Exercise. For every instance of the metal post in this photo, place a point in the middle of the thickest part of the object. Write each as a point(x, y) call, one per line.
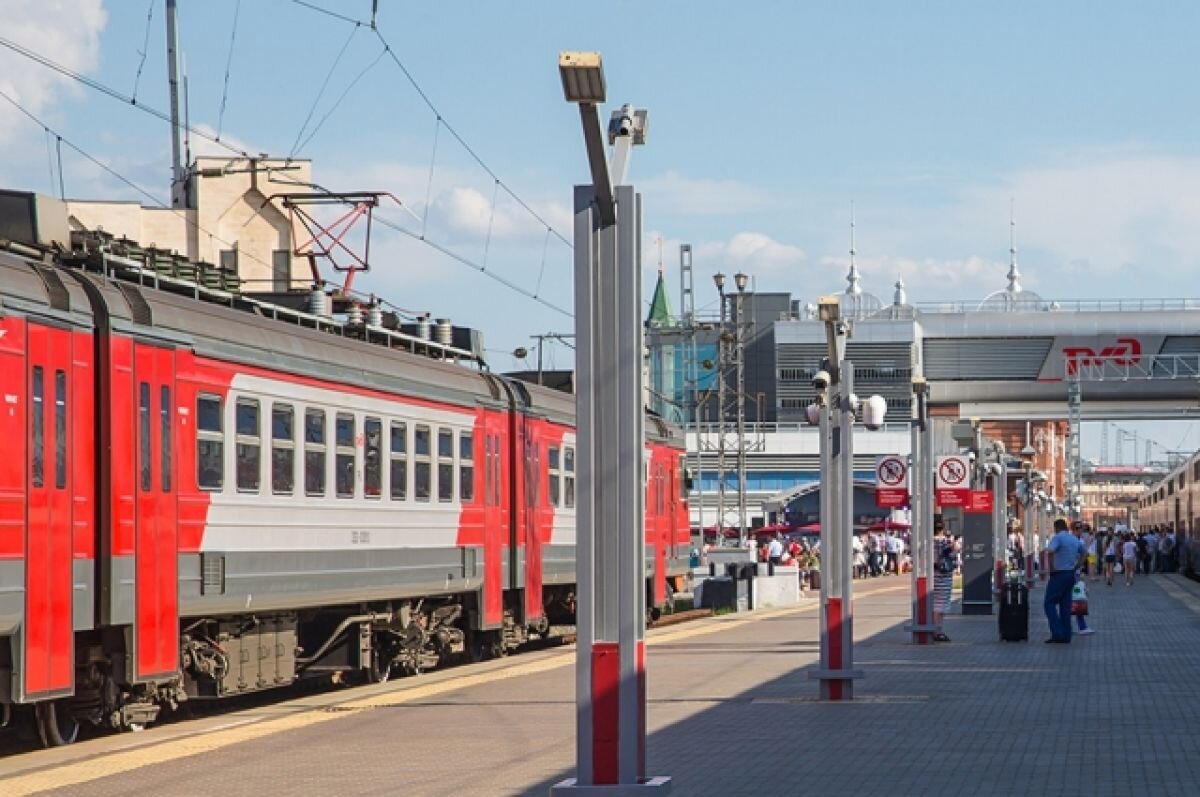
point(1027, 520)
point(1000, 515)
point(740, 343)
point(925, 566)
point(836, 672)
point(610, 686)
point(178, 176)
point(921, 625)
point(722, 356)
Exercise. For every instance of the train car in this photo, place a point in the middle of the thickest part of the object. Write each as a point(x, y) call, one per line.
point(213, 499)
point(1174, 503)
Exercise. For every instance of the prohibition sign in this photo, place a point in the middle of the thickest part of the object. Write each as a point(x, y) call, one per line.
point(891, 471)
point(952, 472)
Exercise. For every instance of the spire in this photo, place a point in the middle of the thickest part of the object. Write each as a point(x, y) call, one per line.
point(1014, 275)
point(660, 308)
point(852, 277)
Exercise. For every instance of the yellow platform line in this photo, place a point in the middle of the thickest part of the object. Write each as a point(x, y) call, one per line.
point(116, 763)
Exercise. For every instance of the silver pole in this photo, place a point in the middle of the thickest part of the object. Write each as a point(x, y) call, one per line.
point(178, 177)
point(722, 356)
point(741, 418)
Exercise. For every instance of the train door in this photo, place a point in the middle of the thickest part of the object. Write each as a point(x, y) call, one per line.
point(495, 523)
point(534, 476)
point(47, 650)
point(156, 541)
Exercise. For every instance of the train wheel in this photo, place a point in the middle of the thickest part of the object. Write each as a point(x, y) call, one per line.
point(477, 649)
point(381, 667)
point(56, 726)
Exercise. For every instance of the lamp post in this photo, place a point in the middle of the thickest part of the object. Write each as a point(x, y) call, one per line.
point(610, 678)
point(722, 360)
point(834, 411)
point(740, 280)
point(921, 505)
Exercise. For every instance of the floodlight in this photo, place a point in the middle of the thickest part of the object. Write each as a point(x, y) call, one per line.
point(740, 280)
point(828, 308)
point(582, 77)
point(719, 281)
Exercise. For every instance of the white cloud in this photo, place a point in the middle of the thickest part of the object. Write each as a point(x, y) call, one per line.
point(752, 252)
point(1101, 212)
point(67, 31)
point(673, 193)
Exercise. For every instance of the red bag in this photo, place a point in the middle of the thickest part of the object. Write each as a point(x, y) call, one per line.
point(1079, 608)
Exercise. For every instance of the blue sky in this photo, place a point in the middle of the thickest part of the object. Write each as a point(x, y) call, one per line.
point(766, 122)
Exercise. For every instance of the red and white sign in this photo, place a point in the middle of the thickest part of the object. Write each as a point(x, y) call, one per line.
point(980, 502)
point(1070, 353)
point(952, 479)
point(891, 481)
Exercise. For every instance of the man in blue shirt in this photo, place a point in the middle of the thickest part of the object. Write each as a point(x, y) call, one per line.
point(1060, 559)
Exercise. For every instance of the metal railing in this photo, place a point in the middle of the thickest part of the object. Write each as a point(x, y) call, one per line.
point(765, 427)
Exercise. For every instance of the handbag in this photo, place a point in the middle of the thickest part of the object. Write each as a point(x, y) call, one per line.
point(1118, 568)
point(1079, 608)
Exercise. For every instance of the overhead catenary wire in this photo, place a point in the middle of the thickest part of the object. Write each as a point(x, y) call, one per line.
point(237, 10)
point(334, 14)
point(349, 87)
point(137, 78)
point(115, 94)
point(321, 91)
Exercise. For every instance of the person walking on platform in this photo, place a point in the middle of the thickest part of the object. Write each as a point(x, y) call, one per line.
point(944, 565)
point(1129, 557)
point(1061, 557)
point(1110, 558)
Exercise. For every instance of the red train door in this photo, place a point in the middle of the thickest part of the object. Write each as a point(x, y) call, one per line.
point(48, 651)
point(156, 538)
point(534, 476)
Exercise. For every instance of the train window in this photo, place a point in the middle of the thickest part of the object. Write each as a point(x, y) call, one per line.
point(283, 449)
point(569, 477)
point(466, 467)
point(344, 460)
point(60, 429)
point(373, 458)
point(164, 420)
point(210, 443)
point(445, 465)
point(249, 446)
point(38, 430)
point(422, 476)
point(314, 452)
point(399, 469)
point(555, 477)
point(144, 433)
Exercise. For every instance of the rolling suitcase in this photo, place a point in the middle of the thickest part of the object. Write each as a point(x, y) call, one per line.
point(1014, 613)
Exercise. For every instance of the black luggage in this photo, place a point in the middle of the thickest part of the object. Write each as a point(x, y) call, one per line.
point(1014, 613)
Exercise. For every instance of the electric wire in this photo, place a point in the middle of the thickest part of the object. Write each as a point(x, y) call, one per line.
point(487, 242)
point(60, 140)
point(145, 49)
point(349, 87)
point(321, 91)
point(237, 10)
point(333, 14)
point(429, 183)
point(114, 93)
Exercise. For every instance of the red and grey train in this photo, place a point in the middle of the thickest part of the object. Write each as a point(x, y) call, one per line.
point(197, 501)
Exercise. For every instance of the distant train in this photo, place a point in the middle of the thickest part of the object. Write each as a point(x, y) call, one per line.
point(200, 500)
point(1174, 503)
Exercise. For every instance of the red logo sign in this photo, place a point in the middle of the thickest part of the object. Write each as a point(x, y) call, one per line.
point(1127, 351)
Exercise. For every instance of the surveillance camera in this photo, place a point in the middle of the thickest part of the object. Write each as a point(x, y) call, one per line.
point(970, 456)
point(874, 410)
point(854, 403)
point(821, 379)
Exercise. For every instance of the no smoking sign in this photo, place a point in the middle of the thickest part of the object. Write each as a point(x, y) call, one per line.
point(891, 481)
point(952, 480)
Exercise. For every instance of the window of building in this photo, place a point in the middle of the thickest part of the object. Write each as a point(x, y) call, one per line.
point(466, 467)
point(283, 449)
point(372, 458)
point(249, 445)
point(346, 456)
point(569, 477)
point(229, 260)
point(38, 431)
point(210, 443)
point(60, 431)
point(422, 474)
point(555, 477)
point(281, 270)
point(164, 420)
point(445, 465)
point(398, 477)
point(314, 452)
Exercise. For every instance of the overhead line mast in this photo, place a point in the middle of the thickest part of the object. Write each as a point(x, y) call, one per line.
point(178, 167)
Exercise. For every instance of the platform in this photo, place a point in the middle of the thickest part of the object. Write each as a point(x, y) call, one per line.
point(731, 712)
